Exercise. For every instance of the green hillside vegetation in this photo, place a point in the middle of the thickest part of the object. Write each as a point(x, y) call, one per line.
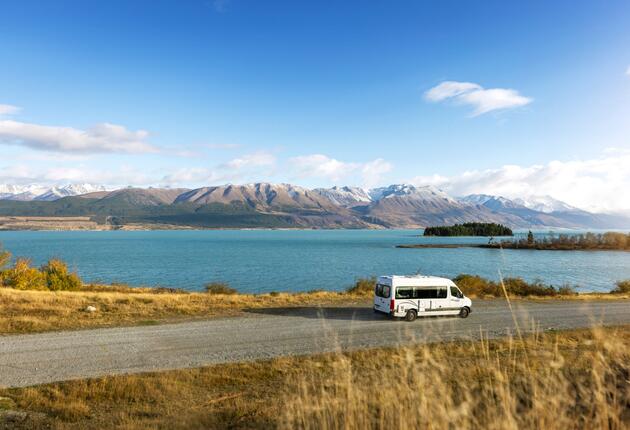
point(122, 211)
point(469, 229)
point(589, 241)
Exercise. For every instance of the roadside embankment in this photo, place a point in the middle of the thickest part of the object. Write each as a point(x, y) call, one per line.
point(551, 380)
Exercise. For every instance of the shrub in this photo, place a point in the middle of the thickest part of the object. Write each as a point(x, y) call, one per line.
point(520, 287)
point(567, 290)
point(219, 288)
point(623, 287)
point(473, 285)
point(362, 287)
point(22, 276)
point(58, 278)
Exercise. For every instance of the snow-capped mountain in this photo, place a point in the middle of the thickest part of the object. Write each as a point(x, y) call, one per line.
point(43, 193)
point(20, 192)
point(426, 192)
point(345, 196)
point(55, 193)
point(491, 202)
point(546, 204)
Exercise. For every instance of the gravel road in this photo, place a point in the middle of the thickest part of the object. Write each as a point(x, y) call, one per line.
point(265, 333)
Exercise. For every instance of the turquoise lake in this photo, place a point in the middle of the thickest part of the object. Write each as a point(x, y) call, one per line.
point(299, 260)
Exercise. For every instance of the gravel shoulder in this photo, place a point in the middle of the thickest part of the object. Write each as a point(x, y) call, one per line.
point(264, 333)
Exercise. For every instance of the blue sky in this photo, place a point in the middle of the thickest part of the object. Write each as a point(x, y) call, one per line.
point(320, 93)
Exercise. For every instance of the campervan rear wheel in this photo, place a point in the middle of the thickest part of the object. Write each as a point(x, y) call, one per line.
point(464, 312)
point(411, 315)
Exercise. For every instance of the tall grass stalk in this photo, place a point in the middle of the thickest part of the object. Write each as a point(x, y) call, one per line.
point(477, 386)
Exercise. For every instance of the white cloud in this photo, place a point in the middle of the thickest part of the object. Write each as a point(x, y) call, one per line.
point(449, 89)
point(628, 71)
point(122, 176)
point(249, 166)
point(601, 184)
point(101, 138)
point(320, 166)
point(8, 109)
point(373, 171)
point(474, 95)
point(256, 159)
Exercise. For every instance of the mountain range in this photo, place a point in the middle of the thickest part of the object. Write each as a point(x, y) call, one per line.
point(290, 206)
point(43, 193)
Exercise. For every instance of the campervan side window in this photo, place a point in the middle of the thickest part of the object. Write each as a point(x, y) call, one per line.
point(421, 293)
point(382, 290)
point(404, 293)
point(425, 293)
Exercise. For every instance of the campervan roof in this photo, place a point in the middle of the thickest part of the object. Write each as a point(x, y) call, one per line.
point(414, 280)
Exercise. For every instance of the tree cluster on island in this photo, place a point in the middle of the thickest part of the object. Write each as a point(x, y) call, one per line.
point(469, 229)
point(609, 241)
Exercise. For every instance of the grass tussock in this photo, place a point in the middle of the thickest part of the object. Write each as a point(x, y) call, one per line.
point(219, 288)
point(561, 380)
point(362, 287)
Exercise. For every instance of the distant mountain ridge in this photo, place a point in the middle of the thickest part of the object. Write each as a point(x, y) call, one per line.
point(43, 193)
point(290, 206)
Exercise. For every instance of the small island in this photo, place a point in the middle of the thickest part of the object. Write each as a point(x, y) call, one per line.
point(469, 229)
point(609, 241)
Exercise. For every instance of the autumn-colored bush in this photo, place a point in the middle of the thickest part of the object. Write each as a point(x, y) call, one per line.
point(23, 276)
point(58, 277)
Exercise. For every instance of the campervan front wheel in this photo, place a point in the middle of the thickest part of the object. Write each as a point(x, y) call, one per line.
point(464, 312)
point(410, 315)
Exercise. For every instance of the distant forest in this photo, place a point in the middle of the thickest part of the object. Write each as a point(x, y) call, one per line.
point(469, 229)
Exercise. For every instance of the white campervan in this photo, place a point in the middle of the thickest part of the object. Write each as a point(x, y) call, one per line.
point(414, 296)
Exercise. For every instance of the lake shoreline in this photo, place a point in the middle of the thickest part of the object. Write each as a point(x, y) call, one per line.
point(501, 247)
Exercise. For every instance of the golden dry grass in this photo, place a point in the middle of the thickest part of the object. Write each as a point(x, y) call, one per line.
point(564, 380)
point(37, 311)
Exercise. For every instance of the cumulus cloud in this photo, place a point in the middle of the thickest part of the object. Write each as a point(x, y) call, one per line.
point(373, 171)
point(254, 166)
point(601, 184)
point(480, 99)
point(320, 166)
point(101, 138)
point(8, 109)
